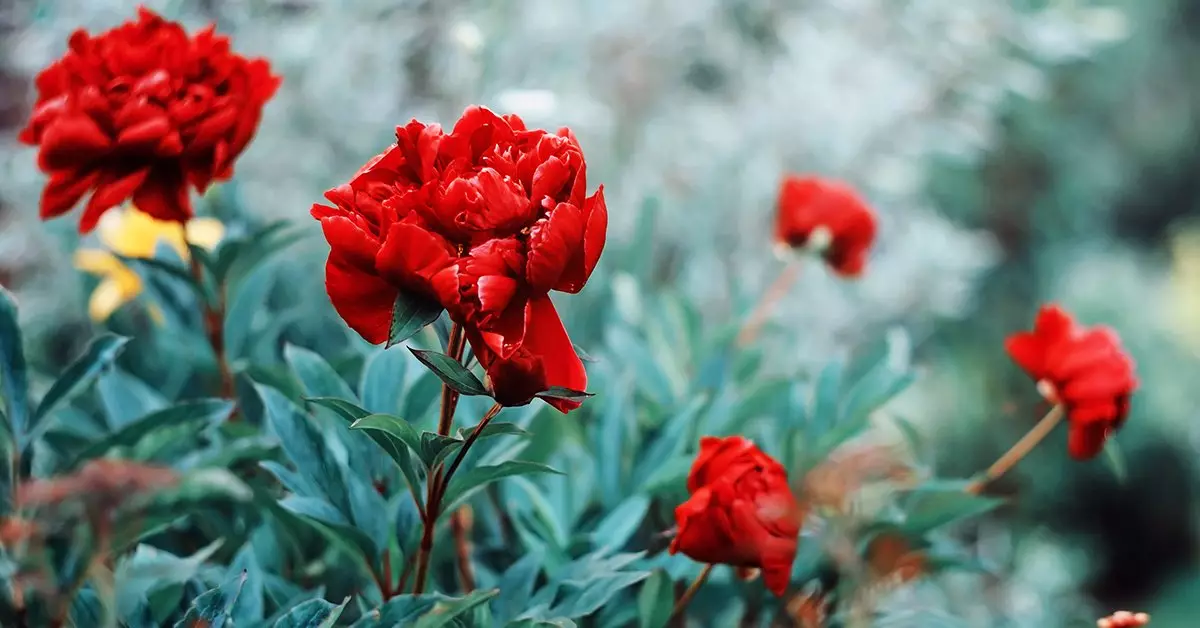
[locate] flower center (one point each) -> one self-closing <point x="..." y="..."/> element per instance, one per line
<point x="1048" y="390"/>
<point x="819" y="239"/>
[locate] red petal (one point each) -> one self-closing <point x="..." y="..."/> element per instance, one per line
<point x="546" y="338"/>
<point x="164" y="195"/>
<point x="594" y="234"/>
<point x="553" y="243"/>
<point x="113" y="190"/>
<point x="64" y="190"/>
<point x="71" y="141"/>
<point x="411" y="256"/>
<point x="1086" y="440"/>
<point x="362" y="298"/>
<point x="1028" y="352"/>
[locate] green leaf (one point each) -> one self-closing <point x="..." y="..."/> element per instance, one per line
<point x="446" y="612"/>
<point x="244" y="304"/>
<point x="565" y="394"/>
<point x="516" y="586"/>
<point x="1115" y="459"/>
<point x="610" y="434"/>
<point x="312" y="614"/>
<point x="656" y="600"/>
<point x="495" y="428"/>
<point x="126" y="397"/>
<point x="171" y="269"/>
<point x="14" y="378"/>
<point x="319" y="470"/>
<point x="213" y="607"/>
<point x="80" y="374"/>
<point x="463" y="484"/>
<point x="435" y="448"/>
<point x="936" y="504"/>
<point x="239" y="258"/>
<point x="195" y="415"/>
<point x="401" y="610"/>
<point x="398" y="439"/>
<point x="347" y="410"/>
<point x="410" y="314"/>
<point x="455" y="375"/>
<point x="383" y="380"/>
<point x="249" y="606"/>
<point x="825" y="399"/>
<point x="318" y="378"/>
<point x="148" y="569"/>
<point x="588" y="596"/>
<point x="619" y="525"/>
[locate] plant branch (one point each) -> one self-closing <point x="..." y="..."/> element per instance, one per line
<point x="1019" y="450"/>
<point x="454" y="348"/>
<point x="687" y="596"/>
<point x="460" y="527"/>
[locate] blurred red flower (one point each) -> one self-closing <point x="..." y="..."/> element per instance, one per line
<point x="143" y="111"/>
<point x="1123" y="619"/>
<point x="485" y="220"/>
<point x="1085" y="370"/>
<point x="741" y="511"/>
<point x="826" y="217"/>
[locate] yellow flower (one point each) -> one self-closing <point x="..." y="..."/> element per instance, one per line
<point x="1185" y="284"/>
<point x="130" y="233"/>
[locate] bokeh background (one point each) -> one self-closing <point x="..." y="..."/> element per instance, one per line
<point x="1017" y="151"/>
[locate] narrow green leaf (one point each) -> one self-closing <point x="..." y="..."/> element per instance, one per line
<point x="656" y="600"/>
<point x="435" y="448"/>
<point x="516" y="586"/>
<point x="448" y="370"/>
<point x="396" y="437"/>
<point x="619" y="525"/>
<point x="936" y="504"/>
<point x="197" y="414"/>
<point x="312" y="614"/>
<point x="463" y="484"/>
<point x="315" y="374"/>
<point x="587" y="597"/>
<point x="305" y="446"/>
<point x="495" y="428"/>
<point x="566" y="394"/>
<point x="383" y="380"/>
<point x="347" y="410"/>
<point x="1115" y="459"/>
<point x="410" y="314"/>
<point x="401" y="610"/>
<point x="212" y="608"/>
<point x="101" y="353"/>
<point x="825" y="399"/>
<point x="447" y="612"/>
<point x="14" y="378"/>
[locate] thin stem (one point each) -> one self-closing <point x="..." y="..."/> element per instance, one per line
<point x="408" y="566"/>
<point x="687" y="596"/>
<point x="460" y="527"/>
<point x="214" y="330"/>
<point x="454" y="348"/>
<point x="762" y="310"/>
<point x="462" y="451"/>
<point x="1019" y="450"/>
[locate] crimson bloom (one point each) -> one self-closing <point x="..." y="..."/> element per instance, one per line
<point x="741" y="511"/>
<point x="143" y="111"/>
<point x="484" y="220"/>
<point x="826" y="217"/>
<point x="1085" y="370"/>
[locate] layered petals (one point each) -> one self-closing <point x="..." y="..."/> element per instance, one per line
<point x="142" y="111"/>
<point x="1085" y="370"/>
<point x="741" y="511"/>
<point x="827" y="217"/>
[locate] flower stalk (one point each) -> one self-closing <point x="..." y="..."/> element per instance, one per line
<point x="214" y="329"/>
<point x="776" y="291"/>
<point x="1020" y="449"/>
<point x="686" y="598"/>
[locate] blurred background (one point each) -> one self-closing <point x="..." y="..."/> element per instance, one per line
<point x="1017" y="151"/>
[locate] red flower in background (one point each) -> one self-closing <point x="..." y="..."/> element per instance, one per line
<point x="486" y="220"/>
<point x="741" y="511"/>
<point x="827" y="217"/>
<point x="143" y="111"/>
<point x="1085" y="370"/>
<point x="1123" y="619"/>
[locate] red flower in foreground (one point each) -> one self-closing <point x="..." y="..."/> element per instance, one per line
<point x="1123" y="619"/>
<point x="1085" y="370"/>
<point x="143" y="111"/>
<point x="826" y="217"/>
<point x="741" y="511"/>
<point x="485" y="220"/>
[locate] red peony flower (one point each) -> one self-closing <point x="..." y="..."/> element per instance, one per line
<point x="143" y="111"/>
<point x="826" y="217"/>
<point x="486" y="220"/>
<point x="741" y="511"/>
<point x="1085" y="370"/>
